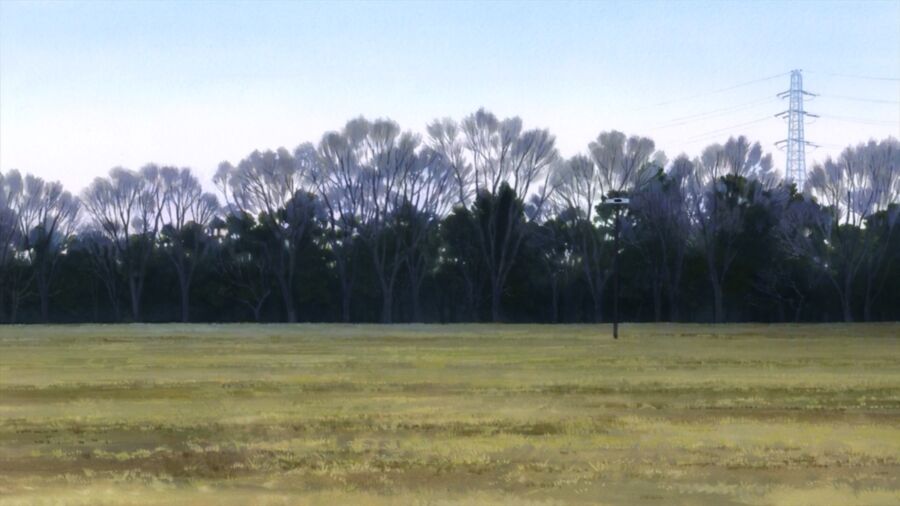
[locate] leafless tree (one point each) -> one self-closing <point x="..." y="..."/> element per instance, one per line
<point x="377" y="188"/>
<point x="187" y="213"/>
<point x="127" y="208"/>
<point x="339" y="182"/>
<point x="862" y="182"/>
<point x="427" y="194"/>
<point x="37" y="219"/>
<point x="616" y="165"/>
<point x="717" y="226"/>
<point x="240" y="257"/>
<point x="47" y="216"/>
<point x="275" y="187"/>
<point x="487" y="155"/>
<point x="796" y="218"/>
<point x="104" y="263"/>
<point x="387" y="158"/>
<point x="659" y="208"/>
<point x="12" y="282"/>
<point x="402" y="194"/>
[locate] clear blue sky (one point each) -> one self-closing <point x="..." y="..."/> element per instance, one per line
<point x="86" y="86"/>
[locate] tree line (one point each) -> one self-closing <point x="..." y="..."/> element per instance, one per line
<point x="479" y="220"/>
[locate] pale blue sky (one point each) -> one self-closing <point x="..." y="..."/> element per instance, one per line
<point x="86" y="86"/>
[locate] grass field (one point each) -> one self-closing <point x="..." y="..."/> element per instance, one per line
<point x="468" y="414"/>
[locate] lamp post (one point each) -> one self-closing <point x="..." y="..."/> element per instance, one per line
<point x="617" y="203"/>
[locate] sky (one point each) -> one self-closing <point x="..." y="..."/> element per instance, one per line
<point x="86" y="86"/>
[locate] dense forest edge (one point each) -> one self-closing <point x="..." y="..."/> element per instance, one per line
<point x="478" y="220"/>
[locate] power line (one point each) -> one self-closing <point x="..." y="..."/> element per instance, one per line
<point x="830" y="146"/>
<point x="854" y="76"/>
<point x="691" y="118"/>
<point x="861" y="99"/>
<point x="862" y="120"/>
<point x="720" y="90"/>
<point x="712" y="133"/>
<point x="706" y="94"/>
<point x="710" y="114"/>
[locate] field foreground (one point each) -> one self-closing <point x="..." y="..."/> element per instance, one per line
<point x="446" y="415"/>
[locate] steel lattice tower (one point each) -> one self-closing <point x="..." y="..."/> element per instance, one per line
<point x="795" y="169"/>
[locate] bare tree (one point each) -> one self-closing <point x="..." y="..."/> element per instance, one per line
<point x="427" y="195"/>
<point x="863" y="182"/>
<point x="489" y="157"/>
<point x="127" y="208"/>
<point x="37" y="219"/>
<point x="47" y="219"/>
<point x="616" y="165"/>
<point x="557" y="258"/>
<point x="12" y="282"/>
<point x="718" y="219"/>
<point x="622" y="164"/>
<point x="339" y="180"/>
<point x="796" y="241"/>
<point x="663" y="226"/>
<point x="401" y="196"/>
<point x="104" y="263"/>
<point x="241" y="257"/>
<point x="275" y="187"/>
<point x="377" y="188"/>
<point x="187" y="213"/>
<point x="386" y="159"/>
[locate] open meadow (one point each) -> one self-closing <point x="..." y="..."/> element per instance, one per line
<point x="457" y="414"/>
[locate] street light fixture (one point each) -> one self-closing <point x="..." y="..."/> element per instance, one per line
<point x="618" y="203"/>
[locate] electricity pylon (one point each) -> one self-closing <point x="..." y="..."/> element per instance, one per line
<point x="795" y="168"/>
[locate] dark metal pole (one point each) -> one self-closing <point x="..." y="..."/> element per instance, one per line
<point x="616" y="279"/>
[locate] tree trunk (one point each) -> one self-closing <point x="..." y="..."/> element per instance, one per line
<point x="597" y="294"/>
<point x="798" y="311"/>
<point x="345" y="279"/>
<point x="415" y="291"/>
<point x="346" y="299"/>
<point x="113" y="295"/>
<point x="2" y="305"/>
<point x="598" y="308"/>
<point x="554" y="293"/>
<point x="387" y="295"/>
<point x="673" y="282"/>
<point x="44" y="294"/>
<point x="95" y="305"/>
<point x="718" y="306"/>
<point x="846" y="307"/>
<point x="657" y="300"/>
<point x="288" y="298"/>
<point x="345" y="307"/>
<point x="13" y="307"/>
<point x="185" y="299"/>
<point x="496" y="295"/>
<point x="868" y="300"/>
<point x="471" y="301"/>
<point x="846" y="300"/>
<point x="386" y="305"/>
<point x="673" y="306"/>
<point x="134" y="291"/>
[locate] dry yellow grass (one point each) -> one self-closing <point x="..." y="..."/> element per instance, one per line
<point x="450" y="415"/>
